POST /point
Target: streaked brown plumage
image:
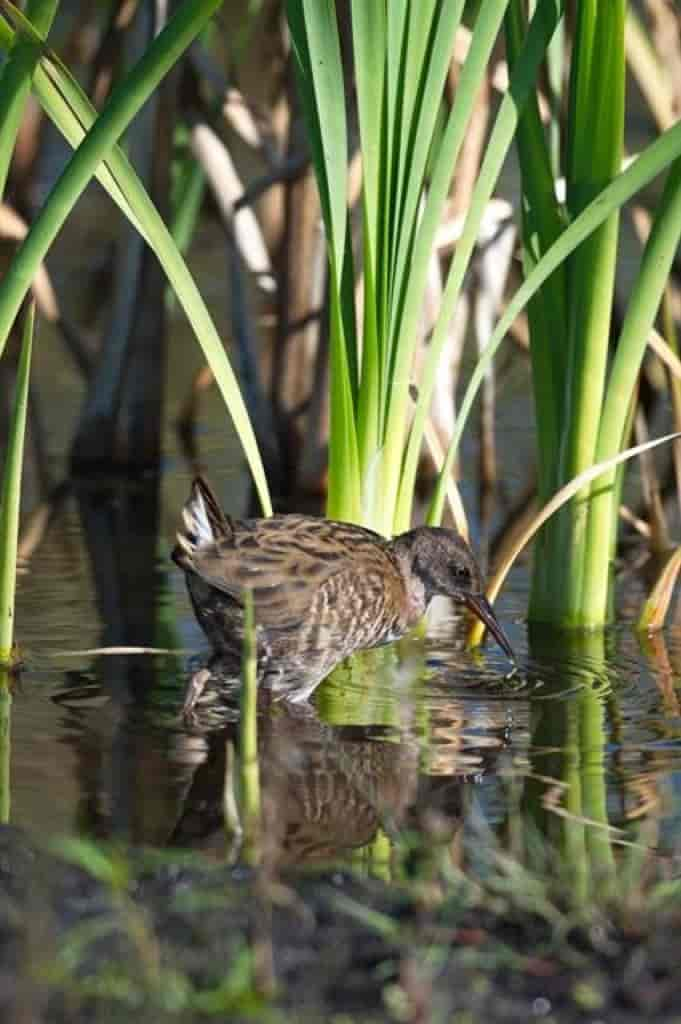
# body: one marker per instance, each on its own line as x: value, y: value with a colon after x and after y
x: 321, y: 589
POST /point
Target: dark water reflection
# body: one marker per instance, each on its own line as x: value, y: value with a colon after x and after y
x: 420, y: 736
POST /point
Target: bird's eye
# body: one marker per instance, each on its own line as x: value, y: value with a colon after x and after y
x: 462, y: 574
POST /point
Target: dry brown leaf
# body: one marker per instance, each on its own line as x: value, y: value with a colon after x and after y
x: 14, y: 227
x: 656, y: 607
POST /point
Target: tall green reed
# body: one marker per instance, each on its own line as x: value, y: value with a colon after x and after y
x: 10, y: 496
x: 401, y: 51
x: 10, y: 502
x: 582, y: 405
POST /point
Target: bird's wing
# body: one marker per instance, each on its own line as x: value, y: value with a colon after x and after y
x: 284, y: 561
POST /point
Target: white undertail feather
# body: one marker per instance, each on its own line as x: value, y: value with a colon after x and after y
x: 198, y: 527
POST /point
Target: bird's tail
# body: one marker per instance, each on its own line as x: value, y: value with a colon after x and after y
x: 203, y: 524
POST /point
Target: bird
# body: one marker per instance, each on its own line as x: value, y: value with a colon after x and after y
x: 321, y: 589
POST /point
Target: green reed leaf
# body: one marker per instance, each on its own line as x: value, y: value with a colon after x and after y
x: 10, y: 497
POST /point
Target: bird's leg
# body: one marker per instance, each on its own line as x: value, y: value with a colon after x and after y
x: 196, y: 686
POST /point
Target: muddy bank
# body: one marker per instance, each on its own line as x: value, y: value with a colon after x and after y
x: 172, y: 936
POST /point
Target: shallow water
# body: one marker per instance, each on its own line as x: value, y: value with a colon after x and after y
x: 398, y: 739
x: 420, y: 736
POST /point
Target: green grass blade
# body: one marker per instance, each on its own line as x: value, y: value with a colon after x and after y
x: 555, y: 61
x: 582, y: 71
x: 419, y: 135
x: 396, y: 39
x: 417, y: 58
x: 371, y: 381
x: 369, y: 46
x: 316, y: 48
x: 368, y: 35
x: 542, y: 223
x: 10, y: 498
x: 248, y: 737
x: 15, y: 79
x: 344, y: 490
x: 415, y: 64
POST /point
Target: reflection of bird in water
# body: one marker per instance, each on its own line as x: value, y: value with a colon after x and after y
x: 325, y: 789
x: 321, y: 589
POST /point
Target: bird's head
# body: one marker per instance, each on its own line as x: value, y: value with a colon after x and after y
x: 442, y: 562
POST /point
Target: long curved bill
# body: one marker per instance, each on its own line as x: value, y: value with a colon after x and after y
x: 481, y: 607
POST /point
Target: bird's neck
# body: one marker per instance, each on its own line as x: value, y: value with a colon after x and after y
x: 417, y: 599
